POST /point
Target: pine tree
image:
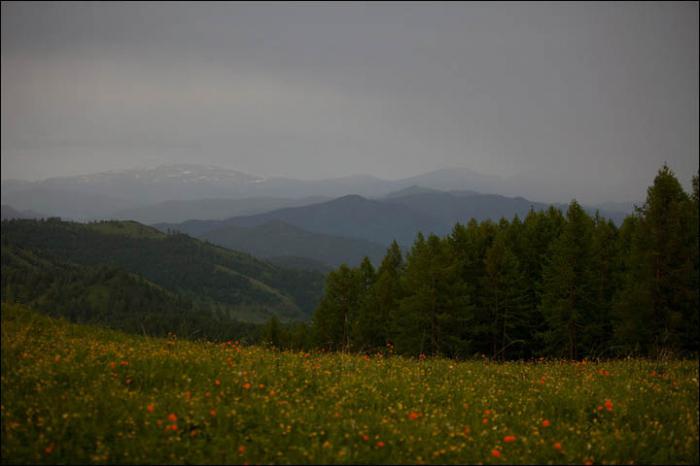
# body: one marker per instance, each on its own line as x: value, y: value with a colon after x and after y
x: 336, y: 312
x: 567, y: 294
x: 433, y: 309
x: 380, y: 307
x: 659, y: 297
x: 504, y: 297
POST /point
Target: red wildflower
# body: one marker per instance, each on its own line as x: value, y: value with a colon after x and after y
x: 495, y: 453
x: 608, y: 405
x: 380, y: 444
x: 413, y: 415
x: 150, y: 407
x: 509, y: 438
x: 172, y: 417
x: 546, y: 423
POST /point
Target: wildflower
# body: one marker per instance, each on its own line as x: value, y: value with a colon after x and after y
x: 261, y: 386
x: 557, y: 446
x: 212, y: 412
x: 484, y: 421
x: 365, y: 437
x: 172, y: 427
x: 217, y: 382
x: 546, y: 423
x: 150, y: 407
x: 247, y: 386
x: 49, y: 449
x: 57, y: 359
x: 124, y: 363
x: 608, y: 405
x: 509, y: 438
x: 241, y: 450
x: 487, y: 412
x: 172, y: 417
x: 495, y: 453
x: 413, y: 415
x: 380, y: 444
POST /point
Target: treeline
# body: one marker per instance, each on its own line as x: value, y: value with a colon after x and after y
x: 553, y: 284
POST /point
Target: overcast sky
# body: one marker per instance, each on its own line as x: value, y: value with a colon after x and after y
x: 582, y: 100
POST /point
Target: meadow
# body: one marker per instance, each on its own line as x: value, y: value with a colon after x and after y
x: 81, y: 394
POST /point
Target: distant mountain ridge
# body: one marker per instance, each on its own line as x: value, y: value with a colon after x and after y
x: 398, y: 216
x: 279, y: 240
x: 142, y: 192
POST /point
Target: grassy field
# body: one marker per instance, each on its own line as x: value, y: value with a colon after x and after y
x: 78, y: 394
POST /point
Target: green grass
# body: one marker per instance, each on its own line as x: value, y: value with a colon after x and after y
x: 79, y: 394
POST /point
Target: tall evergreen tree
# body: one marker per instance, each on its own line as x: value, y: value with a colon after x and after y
x: 380, y: 308
x: 504, y: 298
x: 336, y: 313
x: 655, y: 302
x: 433, y: 305
x: 567, y: 294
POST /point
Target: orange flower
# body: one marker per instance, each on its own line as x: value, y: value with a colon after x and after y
x: 241, y: 450
x: 413, y: 415
x: 150, y: 407
x: 172, y: 417
x: 487, y: 412
x: 49, y: 449
x: 484, y: 421
x: 365, y: 437
x: 466, y: 431
x: 509, y: 438
x: 124, y: 363
x: 495, y: 453
x: 380, y: 444
x: 112, y: 365
x: 557, y: 446
x: 261, y: 386
x: 172, y: 427
x: 212, y: 412
x: 599, y: 408
x: 546, y: 423
x: 217, y: 382
x: 608, y: 405
x: 247, y: 386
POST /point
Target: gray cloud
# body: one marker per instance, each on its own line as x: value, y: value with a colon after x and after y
x: 578, y: 100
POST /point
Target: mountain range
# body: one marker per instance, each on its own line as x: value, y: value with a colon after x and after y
x: 350, y: 227
x: 163, y: 194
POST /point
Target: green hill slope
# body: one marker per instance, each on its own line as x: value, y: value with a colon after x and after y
x: 107, y: 296
x: 212, y: 277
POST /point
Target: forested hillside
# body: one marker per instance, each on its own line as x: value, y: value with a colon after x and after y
x: 551, y: 284
x: 214, y: 278
x: 109, y: 296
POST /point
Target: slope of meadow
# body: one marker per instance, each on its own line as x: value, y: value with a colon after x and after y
x: 81, y: 394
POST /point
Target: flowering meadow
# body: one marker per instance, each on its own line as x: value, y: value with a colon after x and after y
x: 80, y: 394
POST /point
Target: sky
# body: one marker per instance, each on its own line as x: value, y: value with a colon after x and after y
x: 582, y: 100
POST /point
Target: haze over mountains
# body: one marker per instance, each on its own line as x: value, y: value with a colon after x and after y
x: 165, y: 193
x: 311, y: 224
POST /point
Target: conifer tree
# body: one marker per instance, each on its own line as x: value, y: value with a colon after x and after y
x: 504, y: 298
x: 655, y: 302
x: 336, y: 312
x: 567, y: 294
